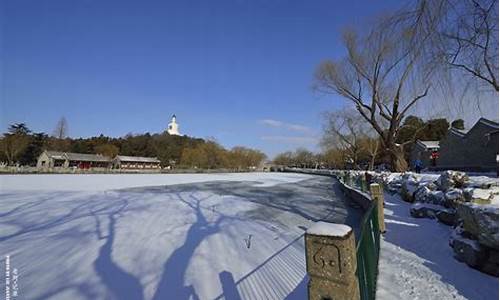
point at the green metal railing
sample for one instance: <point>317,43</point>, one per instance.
<point>367,252</point>
<point>368,242</point>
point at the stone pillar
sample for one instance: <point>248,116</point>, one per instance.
<point>349,180</point>
<point>377,194</point>
<point>331,262</point>
<point>362,183</point>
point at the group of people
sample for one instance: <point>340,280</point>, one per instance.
<point>418,165</point>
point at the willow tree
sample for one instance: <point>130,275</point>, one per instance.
<point>383,75</point>
<point>468,37</point>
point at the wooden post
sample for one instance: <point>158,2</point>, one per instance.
<point>377,194</point>
<point>331,262</point>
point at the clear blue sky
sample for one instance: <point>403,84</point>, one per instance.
<point>239,71</point>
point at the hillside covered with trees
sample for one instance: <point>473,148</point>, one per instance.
<point>22,146</point>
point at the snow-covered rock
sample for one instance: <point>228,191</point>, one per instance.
<point>482,182</point>
<point>478,195</point>
<point>425,195</point>
<point>452,179</point>
<point>473,253</point>
<point>447,216</point>
<point>468,251</point>
<point>453,197</point>
<point>424,210</point>
<point>481,221</point>
<point>409,185</point>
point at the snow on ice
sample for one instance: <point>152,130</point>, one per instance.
<point>233,236</point>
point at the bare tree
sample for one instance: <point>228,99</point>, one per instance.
<point>344,130</point>
<point>61,130</point>
<point>383,76</point>
<point>371,146</point>
<point>469,38</point>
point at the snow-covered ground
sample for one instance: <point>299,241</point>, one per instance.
<point>233,236</point>
<point>417,263</point>
<point>102,182</point>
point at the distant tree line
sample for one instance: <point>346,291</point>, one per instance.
<point>19,145</point>
<point>348,145</point>
<point>301,158</point>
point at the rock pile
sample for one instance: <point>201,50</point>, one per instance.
<point>469,204</point>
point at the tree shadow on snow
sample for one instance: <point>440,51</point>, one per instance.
<point>57,222</point>
<point>171,285</point>
<point>316,199</point>
<point>120,283</point>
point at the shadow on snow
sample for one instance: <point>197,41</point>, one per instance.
<point>315,199</point>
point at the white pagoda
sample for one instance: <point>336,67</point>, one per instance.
<point>173,127</point>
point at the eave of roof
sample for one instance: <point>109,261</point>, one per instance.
<point>457,132</point>
<point>428,144</point>
<point>87,157</point>
<point>137,159</point>
<point>490,123</point>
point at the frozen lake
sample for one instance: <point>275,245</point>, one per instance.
<point>182,236</point>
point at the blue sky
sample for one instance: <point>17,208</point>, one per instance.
<point>238,71</point>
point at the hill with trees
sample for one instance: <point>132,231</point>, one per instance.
<point>19,145</point>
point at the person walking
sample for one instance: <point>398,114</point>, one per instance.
<point>418,165</point>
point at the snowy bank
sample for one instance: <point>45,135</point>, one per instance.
<point>469,204</point>
<point>416,261</point>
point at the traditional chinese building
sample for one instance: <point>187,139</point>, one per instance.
<point>472,150</point>
<point>55,159</point>
<point>425,151</point>
<point>136,162</point>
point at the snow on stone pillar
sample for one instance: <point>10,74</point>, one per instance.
<point>331,262</point>
<point>377,194</point>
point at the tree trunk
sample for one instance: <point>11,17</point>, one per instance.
<point>395,154</point>
<point>372,162</point>
<point>398,161</point>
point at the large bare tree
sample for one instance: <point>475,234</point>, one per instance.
<point>383,75</point>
